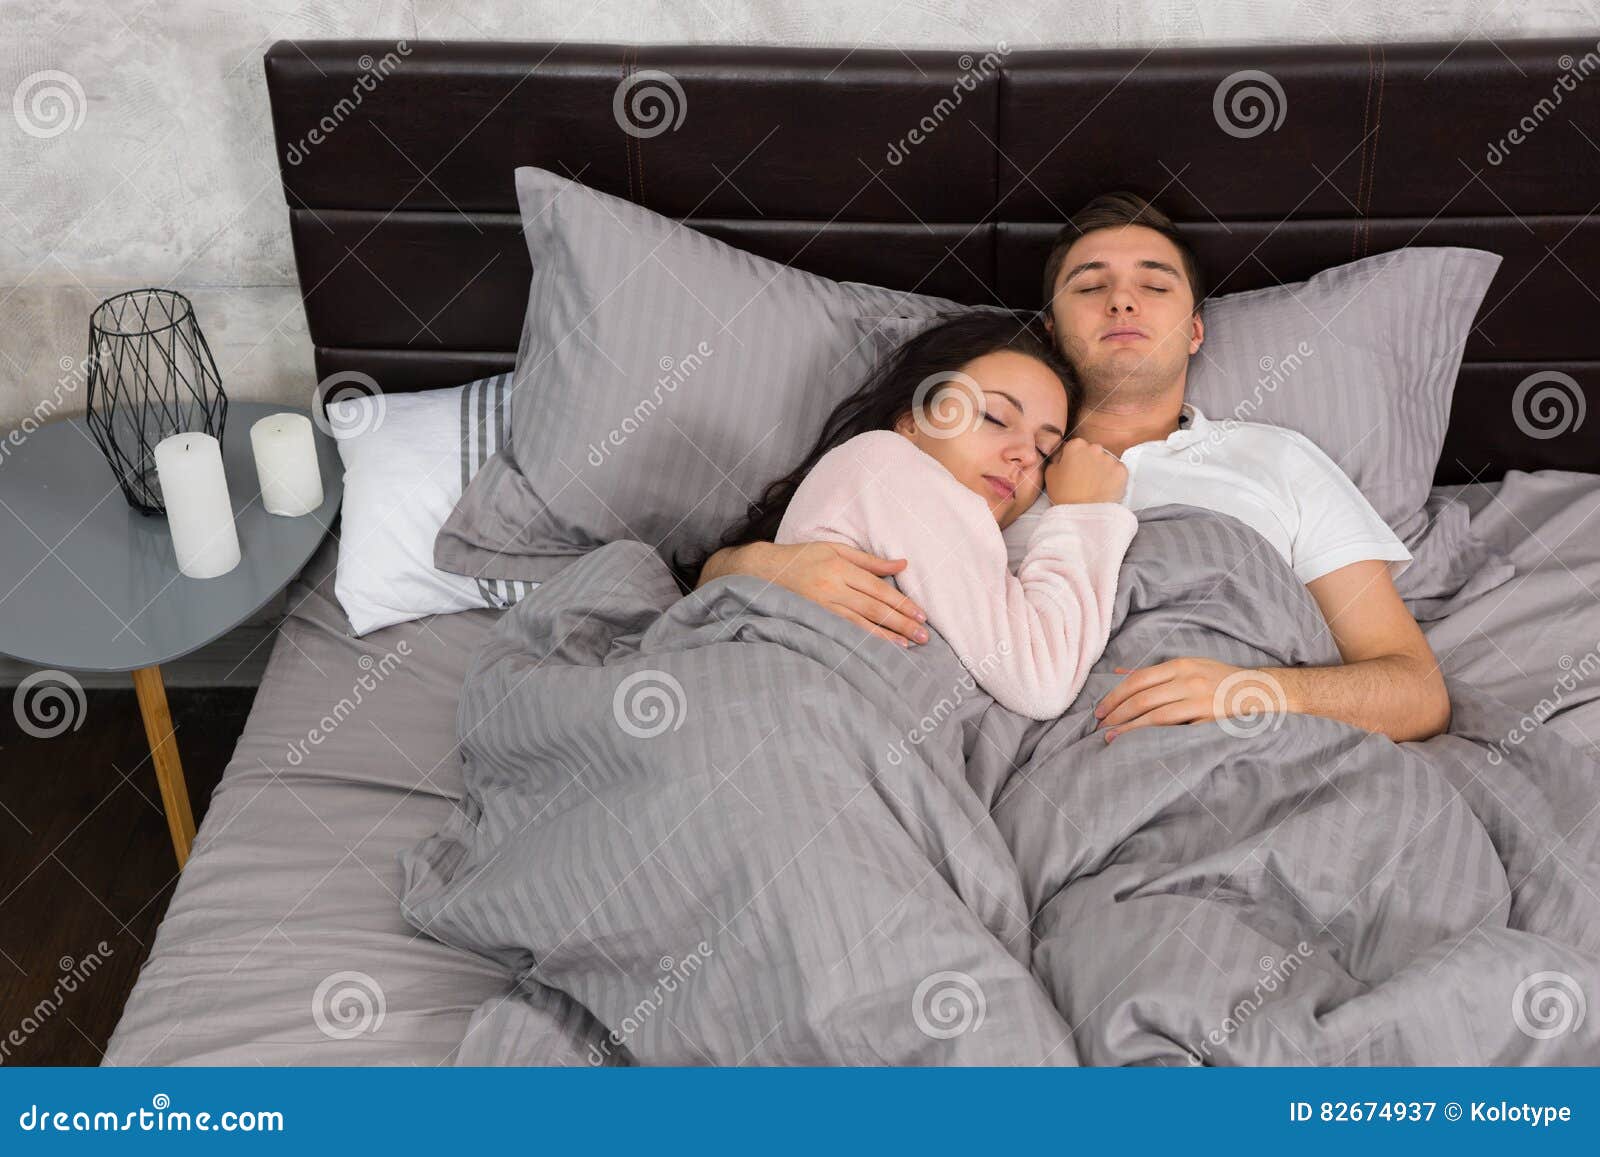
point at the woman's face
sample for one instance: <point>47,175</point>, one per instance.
<point>992,424</point>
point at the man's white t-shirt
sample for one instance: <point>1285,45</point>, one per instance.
<point>1274,480</point>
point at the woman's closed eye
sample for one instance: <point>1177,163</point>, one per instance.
<point>1043,453</point>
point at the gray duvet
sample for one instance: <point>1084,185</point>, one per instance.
<point>732,829</point>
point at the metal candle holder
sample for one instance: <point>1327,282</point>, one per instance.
<point>151,375</point>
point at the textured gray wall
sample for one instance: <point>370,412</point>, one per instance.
<point>169,177</point>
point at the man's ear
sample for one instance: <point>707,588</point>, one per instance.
<point>1197,333</point>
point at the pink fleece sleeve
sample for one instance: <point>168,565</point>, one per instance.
<point>1029,639</point>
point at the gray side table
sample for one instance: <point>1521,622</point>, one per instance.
<point>88,583</point>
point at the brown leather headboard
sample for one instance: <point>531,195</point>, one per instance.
<point>948,173</point>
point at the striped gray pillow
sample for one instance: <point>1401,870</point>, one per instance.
<point>663,379</point>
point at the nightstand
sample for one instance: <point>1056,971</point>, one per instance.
<point>88,583</point>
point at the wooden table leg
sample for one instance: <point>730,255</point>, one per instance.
<point>164,753</point>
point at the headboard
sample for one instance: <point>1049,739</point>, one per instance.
<point>948,172</point>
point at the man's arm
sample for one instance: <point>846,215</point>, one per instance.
<point>847,581</point>
<point>1388,683</point>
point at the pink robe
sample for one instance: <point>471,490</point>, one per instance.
<point>1028,639</point>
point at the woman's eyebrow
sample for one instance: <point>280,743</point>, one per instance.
<point>1008,397</point>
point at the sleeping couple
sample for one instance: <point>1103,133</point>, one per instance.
<point>939,459</point>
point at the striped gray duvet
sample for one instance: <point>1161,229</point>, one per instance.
<point>732,829</point>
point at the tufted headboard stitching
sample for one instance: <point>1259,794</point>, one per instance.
<point>949,172</point>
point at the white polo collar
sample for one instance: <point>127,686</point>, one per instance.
<point>1192,427</point>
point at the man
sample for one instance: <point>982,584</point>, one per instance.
<point>1124,292</point>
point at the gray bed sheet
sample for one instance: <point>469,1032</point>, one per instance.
<point>1534,642</point>
<point>284,941</point>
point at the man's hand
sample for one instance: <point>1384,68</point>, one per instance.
<point>847,581</point>
<point>1389,682</point>
<point>1177,691</point>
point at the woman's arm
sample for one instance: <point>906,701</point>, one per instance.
<point>847,581</point>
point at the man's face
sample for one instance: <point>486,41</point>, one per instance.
<point>1123,314</point>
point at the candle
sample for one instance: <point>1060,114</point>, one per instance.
<point>286,464</point>
<point>195,492</point>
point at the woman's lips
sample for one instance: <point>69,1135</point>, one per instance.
<point>1001,487</point>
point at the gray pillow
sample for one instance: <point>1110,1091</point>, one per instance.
<point>1361,359</point>
<point>663,378</point>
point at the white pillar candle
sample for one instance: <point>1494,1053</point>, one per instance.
<point>286,463</point>
<point>195,493</point>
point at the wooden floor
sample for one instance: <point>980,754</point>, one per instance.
<point>86,864</point>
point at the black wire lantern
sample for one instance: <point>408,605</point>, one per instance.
<point>151,375</point>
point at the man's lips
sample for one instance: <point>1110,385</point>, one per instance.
<point>1125,333</point>
<point>1001,487</point>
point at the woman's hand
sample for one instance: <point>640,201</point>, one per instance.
<point>1085,472</point>
<point>841,578</point>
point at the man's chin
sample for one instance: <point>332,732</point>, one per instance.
<point>1116,378</point>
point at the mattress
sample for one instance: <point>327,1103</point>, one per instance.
<point>284,944</point>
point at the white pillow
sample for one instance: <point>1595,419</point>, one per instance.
<point>407,458</point>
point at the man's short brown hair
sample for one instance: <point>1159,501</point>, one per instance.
<point>1111,211</point>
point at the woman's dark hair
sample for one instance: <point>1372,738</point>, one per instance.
<point>885,397</point>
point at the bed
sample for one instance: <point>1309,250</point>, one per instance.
<point>284,942</point>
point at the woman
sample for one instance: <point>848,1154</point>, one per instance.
<point>951,439</point>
